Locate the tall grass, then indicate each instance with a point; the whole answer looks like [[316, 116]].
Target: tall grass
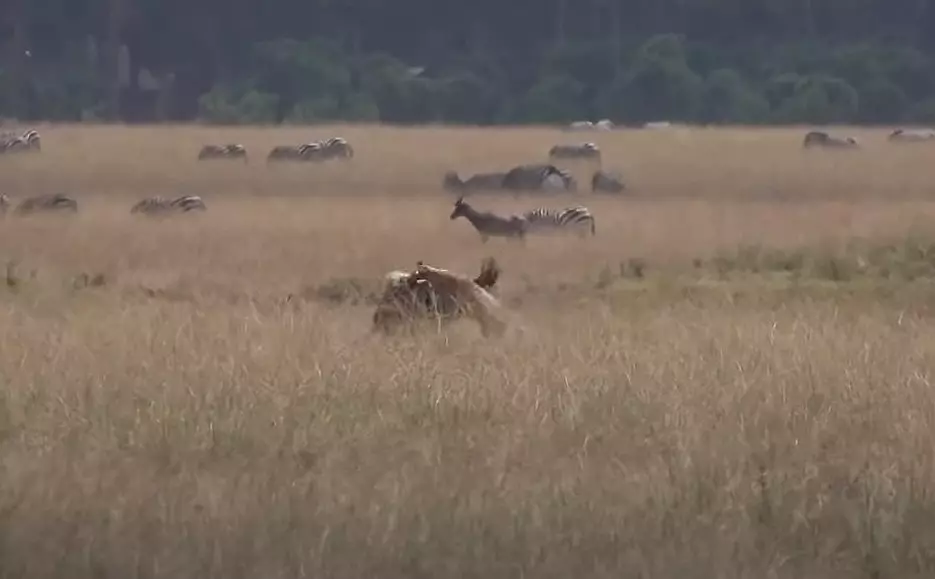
[[728, 412]]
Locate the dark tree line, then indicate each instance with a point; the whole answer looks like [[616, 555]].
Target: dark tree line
[[484, 61]]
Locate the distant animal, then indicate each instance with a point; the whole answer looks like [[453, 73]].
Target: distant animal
[[446, 296], [823, 139], [334, 148], [476, 183], [606, 182], [489, 224], [41, 203], [601, 125], [577, 219], [229, 151], [156, 206], [581, 126], [28, 141], [911, 135], [539, 178], [4, 204], [589, 151]]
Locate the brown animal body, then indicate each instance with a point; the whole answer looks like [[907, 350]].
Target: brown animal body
[[431, 292]]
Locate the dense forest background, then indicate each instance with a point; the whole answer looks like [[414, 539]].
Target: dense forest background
[[477, 62]]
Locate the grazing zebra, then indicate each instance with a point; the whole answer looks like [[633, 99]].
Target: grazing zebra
[[28, 141], [478, 182], [605, 182], [823, 139], [154, 206], [230, 151], [57, 202], [333, 148], [489, 224], [539, 178], [287, 153], [589, 151], [577, 219], [911, 136], [4, 204]]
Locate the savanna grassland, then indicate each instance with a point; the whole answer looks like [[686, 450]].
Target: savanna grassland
[[732, 379]]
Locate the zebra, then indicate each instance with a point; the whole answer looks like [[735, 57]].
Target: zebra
[[576, 218], [478, 182], [911, 136], [229, 151], [57, 202], [489, 224], [28, 141], [823, 139], [606, 182], [154, 206], [287, 153], [539, 178], [4, 204], [589, 151], [334, 148]]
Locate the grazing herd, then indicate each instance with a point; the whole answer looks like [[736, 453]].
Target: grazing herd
[[429, 292]]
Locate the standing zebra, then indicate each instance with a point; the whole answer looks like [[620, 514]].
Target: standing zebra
[[57, 202], [489, 224], [577, 219], [333, 148], [154, 206], [587, 151], [229, 151], [28, 141]]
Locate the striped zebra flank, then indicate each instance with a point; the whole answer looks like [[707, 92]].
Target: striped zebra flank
[[158, 206], [576, 219], [489, 224], [222, 152], [539, 177], [29, 141], [47, 203], [316, 151], [586, 151]]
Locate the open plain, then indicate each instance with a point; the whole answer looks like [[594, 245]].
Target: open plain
[[731, 379]]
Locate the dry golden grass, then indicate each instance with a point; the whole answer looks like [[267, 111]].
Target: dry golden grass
[[186, 420]]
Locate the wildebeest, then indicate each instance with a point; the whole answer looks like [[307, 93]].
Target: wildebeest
[[911, 135], [47, 203], [539, 177], [156, 206], [823, 139], [607, 182], [588, 151], [431, 292], [475, 183], [489, 224], [229, 151], [577, 219]]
